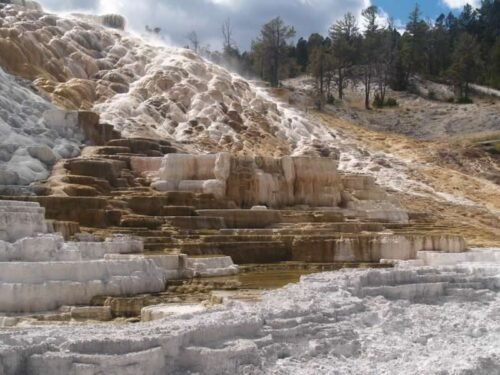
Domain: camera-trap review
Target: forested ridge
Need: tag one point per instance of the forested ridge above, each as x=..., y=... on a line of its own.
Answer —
x=456, y=48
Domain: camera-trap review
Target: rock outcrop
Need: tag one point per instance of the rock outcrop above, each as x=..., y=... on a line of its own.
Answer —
x=39, y=271
x=252, y=181
x=34, y=134
x=331, y=321
x=147, y=90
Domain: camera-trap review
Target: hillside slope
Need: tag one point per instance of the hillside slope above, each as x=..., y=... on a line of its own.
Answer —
x=454, y=180
x=145, y=89
x=34, y=134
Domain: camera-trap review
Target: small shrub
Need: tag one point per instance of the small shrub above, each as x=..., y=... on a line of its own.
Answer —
x=432, y=95
x=389, y=102
x=497, y=147
x=377, y=101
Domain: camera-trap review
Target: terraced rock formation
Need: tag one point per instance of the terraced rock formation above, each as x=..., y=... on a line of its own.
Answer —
x=315, y=215
x=42, y=272
x=160, y=171
x=262, y=210
x=350, y=322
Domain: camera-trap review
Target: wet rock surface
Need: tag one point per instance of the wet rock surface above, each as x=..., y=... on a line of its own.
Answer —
x=350, y=321
x=177, y=218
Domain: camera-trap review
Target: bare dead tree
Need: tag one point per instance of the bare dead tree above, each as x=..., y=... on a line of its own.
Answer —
x=227, y=34
x=193, y=39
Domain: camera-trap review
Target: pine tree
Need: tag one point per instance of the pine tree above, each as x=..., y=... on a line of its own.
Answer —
x=302, y=54
x=370, y=50
x=320, y=67
x=414, y=46
x=272, y=45
x=466, y=64
x=345, y=45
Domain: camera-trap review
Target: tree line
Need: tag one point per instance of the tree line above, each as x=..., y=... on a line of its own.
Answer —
x=455, y=49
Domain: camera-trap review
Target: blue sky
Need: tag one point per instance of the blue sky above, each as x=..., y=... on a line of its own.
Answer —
x=177, y=18
x=400, y=9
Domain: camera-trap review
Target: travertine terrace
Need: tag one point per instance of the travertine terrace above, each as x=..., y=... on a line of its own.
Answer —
x=42, y=272
x=133, y=173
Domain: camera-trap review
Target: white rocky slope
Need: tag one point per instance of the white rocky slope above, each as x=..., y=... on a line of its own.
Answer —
x=399, y=321
x=41, y=272
x=34, y=134
x=147, y=89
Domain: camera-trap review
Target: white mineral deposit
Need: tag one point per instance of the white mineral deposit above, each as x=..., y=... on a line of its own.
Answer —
x=171, y=178
x=411, y=321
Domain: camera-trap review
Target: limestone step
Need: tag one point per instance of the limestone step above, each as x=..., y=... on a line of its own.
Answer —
x=158, y=239
x=87, y=211
x=466, y=285
x=236, y=218
x=111, y=150
x=148, y=203
x=430, y=229
x=347, y=227
x=125, y=157
x=106, y=169
x=219, y=238
x=67, y=228
x=22, y=209
x=16, y=190
x=100, y=184
x=138, y=231
x=141, y=222
x=309, y=228
x=242, y=252
x=195, y=222
x=371, y=247
x=149, y=147
x=159, y=247
x=127, y=191
x=313, y=267
x=168, y=150
x=178, y=211
x=420, y=216
x=324, y=216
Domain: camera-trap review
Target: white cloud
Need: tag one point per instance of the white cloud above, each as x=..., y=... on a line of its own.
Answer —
x=459, y=4
x=178, y=17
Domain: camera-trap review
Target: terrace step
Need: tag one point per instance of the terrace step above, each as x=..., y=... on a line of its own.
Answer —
x=195, y=222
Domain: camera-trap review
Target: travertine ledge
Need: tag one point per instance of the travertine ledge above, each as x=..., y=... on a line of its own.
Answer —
x=39, y=271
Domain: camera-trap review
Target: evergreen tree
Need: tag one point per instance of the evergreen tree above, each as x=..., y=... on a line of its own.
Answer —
x=466, y=64
x=320, y=67
x=381, y=56
x=467, y=19
x=493, y=77
x=272, y=48
x=414, y=47
x=439, y=41
x=370, y=50
x=302, y=54
x=345, y=39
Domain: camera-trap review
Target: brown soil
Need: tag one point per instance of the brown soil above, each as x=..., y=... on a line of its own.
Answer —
x=462, y=174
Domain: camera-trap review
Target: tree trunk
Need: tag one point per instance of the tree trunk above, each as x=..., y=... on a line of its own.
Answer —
x=383, y=88
x=367, y=90
x=321, y=83
x=341, y=84
x=276, y=73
